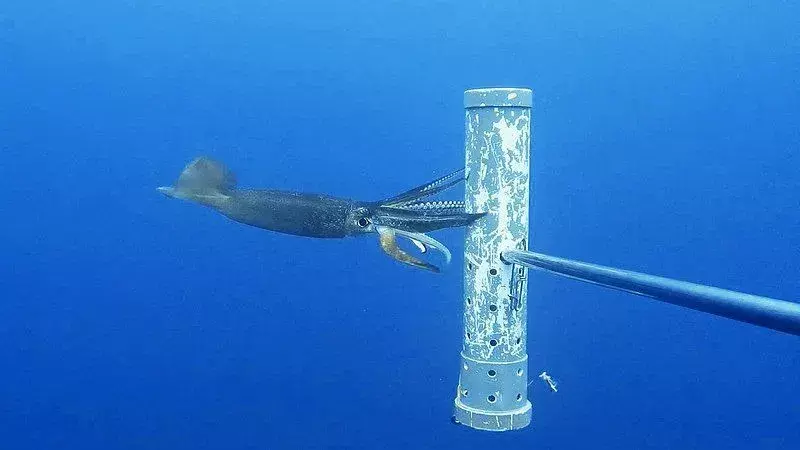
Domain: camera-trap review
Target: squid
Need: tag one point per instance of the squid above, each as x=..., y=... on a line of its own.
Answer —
x=407, y=215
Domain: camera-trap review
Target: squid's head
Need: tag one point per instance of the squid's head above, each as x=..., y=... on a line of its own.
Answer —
x=389, y=225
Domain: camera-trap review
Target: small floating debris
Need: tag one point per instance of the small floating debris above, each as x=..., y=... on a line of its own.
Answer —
x=550, y=381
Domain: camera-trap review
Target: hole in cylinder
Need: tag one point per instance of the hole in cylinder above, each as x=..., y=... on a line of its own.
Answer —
x=493, y=271
x=492, y=373
x=469, y=301
x=464, y=392
x=492, y=307
x=493, y=342
x=491, y=399
x=519, y=397
x=520, y=372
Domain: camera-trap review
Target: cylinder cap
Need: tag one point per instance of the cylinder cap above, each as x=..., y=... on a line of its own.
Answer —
x=498, y=97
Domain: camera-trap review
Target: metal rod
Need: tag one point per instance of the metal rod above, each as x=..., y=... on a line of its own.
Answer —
x=765, y=312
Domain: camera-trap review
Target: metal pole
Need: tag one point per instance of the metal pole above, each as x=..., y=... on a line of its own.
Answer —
x=766, y=312
x=492, y=388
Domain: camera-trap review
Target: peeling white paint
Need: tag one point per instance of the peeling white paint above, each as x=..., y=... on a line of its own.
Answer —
x=498, y=163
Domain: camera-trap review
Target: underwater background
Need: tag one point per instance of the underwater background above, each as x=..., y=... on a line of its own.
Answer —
x=665, y=140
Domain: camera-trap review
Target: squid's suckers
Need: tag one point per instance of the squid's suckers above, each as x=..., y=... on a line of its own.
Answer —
x=210, y=183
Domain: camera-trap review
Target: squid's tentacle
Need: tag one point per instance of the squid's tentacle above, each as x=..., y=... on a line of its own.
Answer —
x=427, y=240
x=389, y=245
x=425, y=190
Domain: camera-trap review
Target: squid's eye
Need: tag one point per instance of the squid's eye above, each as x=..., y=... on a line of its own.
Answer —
x=363, y=222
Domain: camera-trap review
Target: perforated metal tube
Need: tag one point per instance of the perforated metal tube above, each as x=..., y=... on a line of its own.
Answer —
x=492, y=389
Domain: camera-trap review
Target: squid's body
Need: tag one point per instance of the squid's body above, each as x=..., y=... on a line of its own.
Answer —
x=210, y=183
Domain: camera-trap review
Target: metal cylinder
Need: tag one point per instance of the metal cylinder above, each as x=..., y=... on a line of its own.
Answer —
x=492, y=388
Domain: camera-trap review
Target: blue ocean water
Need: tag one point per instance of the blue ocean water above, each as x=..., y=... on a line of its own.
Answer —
x=665, y=140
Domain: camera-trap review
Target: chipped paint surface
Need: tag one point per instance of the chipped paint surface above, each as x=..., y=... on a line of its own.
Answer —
x=493, y=381
x=499, y=162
